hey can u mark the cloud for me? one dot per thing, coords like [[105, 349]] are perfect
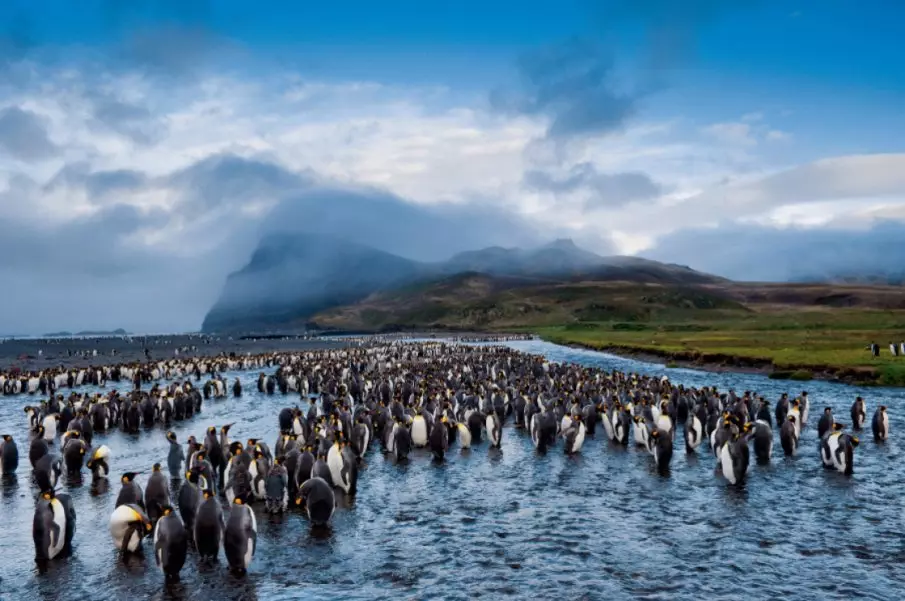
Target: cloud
[[775, 135], [731, 133], [760, 253], [573, 86], [600, 189], [23, 135]]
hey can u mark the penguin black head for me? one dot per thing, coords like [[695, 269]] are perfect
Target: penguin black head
[[236, 447], [156, 467], [200, 456], [40, 431], [171, 436], [792, 418], [166, 510], [837, 427], [225, 429], [129, 477], [883, 408], [855, 441], [7, 438], [48, 494], [211, 430], [828, 410]]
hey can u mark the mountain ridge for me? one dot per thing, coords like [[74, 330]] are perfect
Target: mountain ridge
[[292, 277]]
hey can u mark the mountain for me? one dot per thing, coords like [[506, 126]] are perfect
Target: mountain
[[292, 277]]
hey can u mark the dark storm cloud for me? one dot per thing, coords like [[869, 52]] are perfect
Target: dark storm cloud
[[756, 253], [604, 189], [572, 84], [23, 135]]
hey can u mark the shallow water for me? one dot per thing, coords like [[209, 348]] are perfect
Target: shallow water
[[511, 524]]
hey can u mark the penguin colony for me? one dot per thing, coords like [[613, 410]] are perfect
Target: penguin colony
[[403, 395]]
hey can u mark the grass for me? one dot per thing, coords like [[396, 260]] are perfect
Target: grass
[[796, 342]]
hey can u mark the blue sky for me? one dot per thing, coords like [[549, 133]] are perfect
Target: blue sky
[[649, 126]]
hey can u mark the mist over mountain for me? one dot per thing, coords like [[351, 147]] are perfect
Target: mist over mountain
[[292, 276]]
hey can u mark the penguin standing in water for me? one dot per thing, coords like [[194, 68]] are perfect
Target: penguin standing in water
[[494, 429], [763, 440], [694, 429], [574, 436], [74, 449], [190, 499], [276, 488], [661, 448], [130, 493], [735, 457], [209, 526], [543, 431], [47, 471], [788, 436], [171, 543], [837, 450], [419, 431], [880, 424], [157, 494], [9, 456], [53, 527], [317, 498], [129, 524], [175, 456], [464, 435], [99, 462], [439, 439], [826, 421], [237, 388], [38, 447], [241, 536], [859, 414]]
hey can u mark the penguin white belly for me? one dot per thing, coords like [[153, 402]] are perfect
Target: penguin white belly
[[493, 433], [884, 426], [579, 438], [619, 431], [564, 423], [836, 459], [797, 424], [50, 428], [59, 518], [664, 422], [419, 431], [250, 542], [655, 413], [641, 434], [695, 433], [335, 463], [608, 426], [726, 464]]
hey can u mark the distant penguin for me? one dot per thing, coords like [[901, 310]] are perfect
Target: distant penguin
[[825, 423], [53, 527], [170, 544], [494, 429], [880, 424], [317, 498], [99, 462], [240, 537], [9, 456], [175, 456], [209, 526], [439, 439], [157, 494], [788, 436], [74, 449], [763, 440], [694, 433], [237, 388], [661, 448], [130, 493], [402, 442], [129, 524], [859, 414]]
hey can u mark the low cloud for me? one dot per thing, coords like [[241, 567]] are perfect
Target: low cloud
[[599, 189], [23, 135]]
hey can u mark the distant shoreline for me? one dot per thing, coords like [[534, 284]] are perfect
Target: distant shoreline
[[721, 363]]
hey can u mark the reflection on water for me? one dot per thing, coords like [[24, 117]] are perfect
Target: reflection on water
[[508, 523]]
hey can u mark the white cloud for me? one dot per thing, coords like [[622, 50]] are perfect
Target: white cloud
[[732, 133], [775, 135]]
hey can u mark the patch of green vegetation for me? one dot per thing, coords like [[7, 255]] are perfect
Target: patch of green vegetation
[[892, 375], [801, 375]]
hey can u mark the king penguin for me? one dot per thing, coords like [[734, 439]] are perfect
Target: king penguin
[[53, 527], [241, 536], [170, 544]]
